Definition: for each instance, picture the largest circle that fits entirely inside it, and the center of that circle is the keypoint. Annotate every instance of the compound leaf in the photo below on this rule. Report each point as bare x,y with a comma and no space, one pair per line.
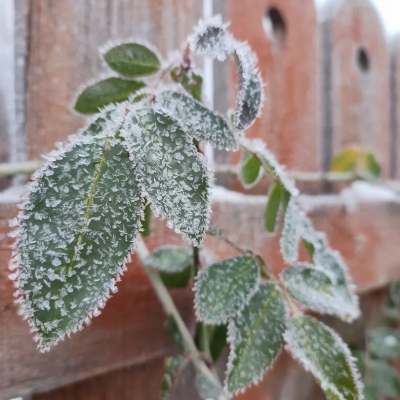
256,337
111,90
224,288
171,172
323,353
133,59
199,121
75,233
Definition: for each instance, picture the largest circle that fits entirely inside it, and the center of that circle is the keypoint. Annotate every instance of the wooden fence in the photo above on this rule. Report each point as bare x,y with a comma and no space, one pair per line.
330,74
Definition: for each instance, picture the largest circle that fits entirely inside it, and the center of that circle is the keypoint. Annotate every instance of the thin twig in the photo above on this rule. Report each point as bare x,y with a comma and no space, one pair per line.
170,309
10,169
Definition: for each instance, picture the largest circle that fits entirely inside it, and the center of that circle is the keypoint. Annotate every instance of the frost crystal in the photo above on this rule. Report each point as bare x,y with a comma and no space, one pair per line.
211,38
172,173
224,288
311,286
270,163
197,120
323,353
76,230
250,96
255,337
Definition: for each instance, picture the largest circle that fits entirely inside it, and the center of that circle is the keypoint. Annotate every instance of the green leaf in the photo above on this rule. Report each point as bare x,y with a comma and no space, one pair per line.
75,235
390,309
395,292
132,59
111,90
207,386
190,81
312,286
255,337
384,343
172,172
250,169
197,120
174,263
146,222
250,94
385,378
272,208
372,168
218,341
172,367
323,353
370,392
224,288
171,326
309,248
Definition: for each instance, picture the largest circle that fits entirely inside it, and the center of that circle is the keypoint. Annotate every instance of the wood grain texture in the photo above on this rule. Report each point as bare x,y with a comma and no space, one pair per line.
64,53
357,65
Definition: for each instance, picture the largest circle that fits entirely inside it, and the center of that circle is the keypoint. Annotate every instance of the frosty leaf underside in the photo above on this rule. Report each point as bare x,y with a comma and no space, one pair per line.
171,171
225,287
76,231
256,337
197,120
323,353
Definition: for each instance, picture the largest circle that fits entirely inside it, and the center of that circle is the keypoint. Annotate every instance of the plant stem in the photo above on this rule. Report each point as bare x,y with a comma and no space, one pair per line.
170,309
27,167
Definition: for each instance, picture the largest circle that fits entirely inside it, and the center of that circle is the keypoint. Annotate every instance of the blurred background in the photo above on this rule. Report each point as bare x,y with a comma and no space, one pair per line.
332,83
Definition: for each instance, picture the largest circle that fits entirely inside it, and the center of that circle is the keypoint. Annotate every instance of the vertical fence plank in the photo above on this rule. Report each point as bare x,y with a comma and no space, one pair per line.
356,104
395,106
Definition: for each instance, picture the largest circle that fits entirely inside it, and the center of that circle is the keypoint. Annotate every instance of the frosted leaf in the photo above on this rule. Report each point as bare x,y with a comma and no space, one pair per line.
385,378
171,171
75,234
211,38
311,286
207,387
270,163
174,263
133,59
250,170
256,337
197,120
384,343
323,353
224,288
191,81
250,96
107,91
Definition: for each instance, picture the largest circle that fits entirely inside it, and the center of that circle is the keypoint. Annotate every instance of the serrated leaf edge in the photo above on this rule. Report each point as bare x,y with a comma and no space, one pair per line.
350,359
230,336
24,310
221,321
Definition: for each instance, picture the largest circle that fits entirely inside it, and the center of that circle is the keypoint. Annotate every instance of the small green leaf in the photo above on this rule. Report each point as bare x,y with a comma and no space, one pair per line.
132,59
384,343
385,378
250,169
171,171
272,209
146,221
309,247
395,292
190,81
312,286
111,90
218,341
372,168
174,263
224,288
256,337
76,232
370,393
197,120
323,353
171,326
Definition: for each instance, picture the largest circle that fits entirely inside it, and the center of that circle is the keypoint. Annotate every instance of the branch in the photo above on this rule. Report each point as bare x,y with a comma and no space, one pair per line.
27,167
170,309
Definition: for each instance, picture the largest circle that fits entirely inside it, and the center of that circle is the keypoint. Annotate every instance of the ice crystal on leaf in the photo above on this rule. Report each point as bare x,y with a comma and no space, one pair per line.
197,120
323,353
256,337
172,173
250,96
76,230
211,38
224,288
312,286
270,163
